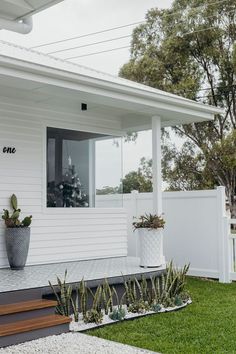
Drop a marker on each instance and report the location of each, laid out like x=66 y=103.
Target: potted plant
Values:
x=17 y=235
x=150 y=231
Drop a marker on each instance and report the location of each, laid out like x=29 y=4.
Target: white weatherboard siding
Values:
x=58 y=234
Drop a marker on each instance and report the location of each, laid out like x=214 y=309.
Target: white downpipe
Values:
x=24 y=26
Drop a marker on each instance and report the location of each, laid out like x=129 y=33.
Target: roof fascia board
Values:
x=43 y=7
x=141 y=104
x=48 y=75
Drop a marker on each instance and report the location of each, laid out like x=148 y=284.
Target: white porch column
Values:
x=156 y=165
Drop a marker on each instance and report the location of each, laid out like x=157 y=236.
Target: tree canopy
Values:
x=189 y=49
x=140 y=180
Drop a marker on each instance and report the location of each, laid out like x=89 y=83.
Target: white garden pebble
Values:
x=72 y=343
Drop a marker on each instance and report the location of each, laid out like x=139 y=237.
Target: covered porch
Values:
x=40 y=93
x=36 y=278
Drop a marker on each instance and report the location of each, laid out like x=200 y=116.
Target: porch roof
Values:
x=17 y=9
x=31 y=75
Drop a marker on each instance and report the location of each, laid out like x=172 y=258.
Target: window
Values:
x=80 y=167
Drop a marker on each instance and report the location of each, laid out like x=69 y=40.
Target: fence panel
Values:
x=196 y=229
x=232 y=240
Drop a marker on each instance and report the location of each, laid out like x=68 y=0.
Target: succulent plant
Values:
x=93 y=316
x=13 y=219
x=118 y=314
x=149 y=221
x=156 y=307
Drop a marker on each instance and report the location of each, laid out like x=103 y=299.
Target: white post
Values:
x=134 y=208
x=156 y=165
x=92 y=174
x=224 y=240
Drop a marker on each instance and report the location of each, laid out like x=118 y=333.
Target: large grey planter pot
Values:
x=17 y=245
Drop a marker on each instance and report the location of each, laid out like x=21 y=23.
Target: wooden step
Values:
x=33 y=324
x=26 y=306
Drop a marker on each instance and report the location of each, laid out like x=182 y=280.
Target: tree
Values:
x=189 y=50
x=185 y=169
x=108 y=190
x=140 y=180
x=69 y=192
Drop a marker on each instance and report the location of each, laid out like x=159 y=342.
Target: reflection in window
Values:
x=72 y=165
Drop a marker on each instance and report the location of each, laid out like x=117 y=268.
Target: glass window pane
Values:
x=109 y=172
x=81 y=166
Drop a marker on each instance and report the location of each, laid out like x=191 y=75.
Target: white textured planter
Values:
x=151 y=247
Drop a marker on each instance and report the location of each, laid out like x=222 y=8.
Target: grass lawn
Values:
x=208 y=325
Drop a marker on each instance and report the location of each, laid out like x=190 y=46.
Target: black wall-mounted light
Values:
x=84 y=107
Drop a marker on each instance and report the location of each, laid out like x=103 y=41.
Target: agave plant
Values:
x=149 y=221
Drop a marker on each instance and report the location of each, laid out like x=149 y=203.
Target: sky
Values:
x=78 y=17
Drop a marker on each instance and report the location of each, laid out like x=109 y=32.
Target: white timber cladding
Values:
x=58 y=234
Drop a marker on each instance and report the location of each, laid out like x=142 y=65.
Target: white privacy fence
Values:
x=197 y=229
x=232 y=247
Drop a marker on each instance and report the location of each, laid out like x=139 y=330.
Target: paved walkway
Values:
x=72 y=343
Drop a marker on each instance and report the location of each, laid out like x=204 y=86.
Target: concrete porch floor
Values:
x=37 y=276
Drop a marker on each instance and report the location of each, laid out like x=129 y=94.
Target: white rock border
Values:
x=82 y=327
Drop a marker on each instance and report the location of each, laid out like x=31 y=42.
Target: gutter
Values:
x=24 y=26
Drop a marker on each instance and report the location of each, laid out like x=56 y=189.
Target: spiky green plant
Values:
x=83 y=292
x=107 y=297
x=75 y=305
x=134 y=296
x=95 y=313
x=63 y=294
x=97 y=298
x=118 y=312
x=170 y=286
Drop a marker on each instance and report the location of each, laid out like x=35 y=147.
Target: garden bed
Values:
x=93 y=308
x=80 y=326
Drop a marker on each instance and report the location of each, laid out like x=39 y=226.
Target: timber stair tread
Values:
x=32 y=324
x=25 y=306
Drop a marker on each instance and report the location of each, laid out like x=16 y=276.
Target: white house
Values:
x=61 y=129
x=57 y=120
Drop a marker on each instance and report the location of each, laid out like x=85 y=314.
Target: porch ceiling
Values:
x=17 y=9
x=56 y=84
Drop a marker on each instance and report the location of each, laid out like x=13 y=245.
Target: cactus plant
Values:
x=13 y=219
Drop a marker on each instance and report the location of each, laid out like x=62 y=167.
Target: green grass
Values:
x=208 y=325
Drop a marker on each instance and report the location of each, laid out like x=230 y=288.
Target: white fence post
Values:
x=134 y=200
x=224 y=241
